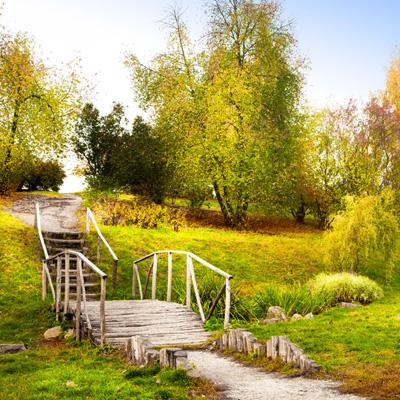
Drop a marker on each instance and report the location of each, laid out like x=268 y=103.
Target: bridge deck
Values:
x=163 y=323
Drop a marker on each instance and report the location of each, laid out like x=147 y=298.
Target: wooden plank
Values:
x=154 y=279
x=169 y=284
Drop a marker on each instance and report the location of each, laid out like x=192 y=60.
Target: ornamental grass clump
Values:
x=345 y=287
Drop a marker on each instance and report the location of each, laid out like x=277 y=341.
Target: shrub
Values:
x=366 y=230
x=43 y=175
x=297 y=299
x=135 y=210
x=345 y=287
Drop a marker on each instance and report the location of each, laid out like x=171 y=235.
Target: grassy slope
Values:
x=42 y=372
x=359 y=346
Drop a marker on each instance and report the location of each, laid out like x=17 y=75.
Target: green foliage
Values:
x=38 y=107
x=345 y=287
x=134 y=372
x=44 y=175
x=227 y=114
x=295 y=299
x=134 y=210
x=174 y=376
x=366 y=230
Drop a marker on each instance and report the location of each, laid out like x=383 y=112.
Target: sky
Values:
x=348 y=44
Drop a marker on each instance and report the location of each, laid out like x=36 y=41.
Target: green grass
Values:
x=58 y=370
x=358 y=346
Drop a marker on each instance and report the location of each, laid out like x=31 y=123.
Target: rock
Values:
x=271 y=321
x=309 y=315
x=9 y=348
x=296 y=316
x=276 y=312
x=70 y=384
x=53 y=333
x=69 y=334
x=349 y=305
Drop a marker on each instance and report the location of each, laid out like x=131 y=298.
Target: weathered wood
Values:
x=196 y=291
x=44 y=281
x=154 y=279
x=215 y=302
x=227 y=302
x=136 y=272
x=188 y=279
x=169 y=282
x=103 y=311
x=66 y=288
x=134 y=281
x=147 y=280
x=78 y=303
x=58 y=289
x=98 y=249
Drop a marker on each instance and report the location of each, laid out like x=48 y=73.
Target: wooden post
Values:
x=78 y=300
x=44 y=281
x=103 y=311
x=134 y=281
x=66 y=287
x=135 y=267
x=87 y=221
x=154 y=279
x=227 y=302
x=58 y=289
x=114 y=274
x=196 y=292
x=169 y=288
x=215 y=302
x=188 y=288
x=98 y=248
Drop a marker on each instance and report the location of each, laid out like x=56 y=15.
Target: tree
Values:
x=97 y=142
x=393 y=83
x=226 y=113
x=37 y=108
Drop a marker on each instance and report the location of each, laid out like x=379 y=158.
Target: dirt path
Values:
x=240 y=382
x=58 y=213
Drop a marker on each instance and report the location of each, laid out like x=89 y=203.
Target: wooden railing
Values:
x=190 y=281
x=100 y=238
x=81 y=262
x=80 y=284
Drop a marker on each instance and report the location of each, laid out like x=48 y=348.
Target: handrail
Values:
x=190 y=281
x=194 y=256
x=38 y=224
x=100 y=238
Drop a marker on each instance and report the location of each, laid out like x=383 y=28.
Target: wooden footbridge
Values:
x=78 y=289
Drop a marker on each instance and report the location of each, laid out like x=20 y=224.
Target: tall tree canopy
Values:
x=227 y=113
x=37 y=108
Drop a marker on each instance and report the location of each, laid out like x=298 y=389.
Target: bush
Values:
x=345 y=287
x=367 y=230
x=293 y=300
x=136 y=210
x=43 y=175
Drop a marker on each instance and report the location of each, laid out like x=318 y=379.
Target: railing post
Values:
x=227 y=302
x=134 y=279
x=103 y=311
x=66 y=287
x=154 y=279
x=188 y=281
x=169 y=287
x=196 y=292
x=58 y=289
x=114 y=274
x=44 y=281
x=78 y=300
x=87 y=221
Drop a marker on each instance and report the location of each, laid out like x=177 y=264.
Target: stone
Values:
x=349 y=305
x=53 y=333
x=270 y=321
x=296 y=316
x=276 y=312
x=10 y=348
x=70 y=384
x=309 y=316
x=69 y=334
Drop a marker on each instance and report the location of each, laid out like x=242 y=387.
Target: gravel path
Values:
x=240 y=382
x=58 y=213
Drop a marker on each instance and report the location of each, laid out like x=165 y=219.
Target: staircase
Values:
x=57 y=242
